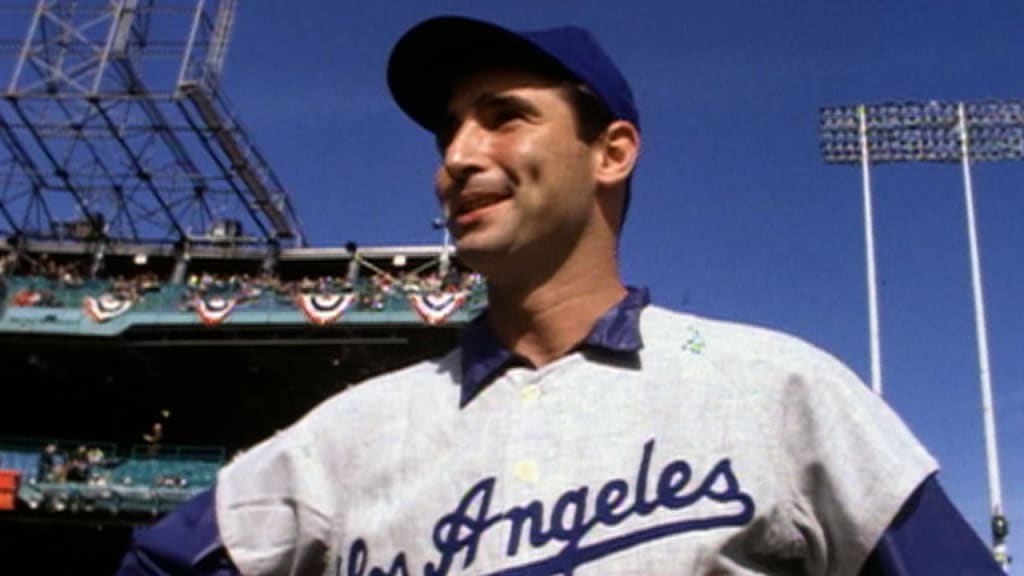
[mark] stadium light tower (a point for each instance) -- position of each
(945, 133)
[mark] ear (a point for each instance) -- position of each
(617, 149)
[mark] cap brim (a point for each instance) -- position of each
(431, 57)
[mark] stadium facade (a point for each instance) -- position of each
(159, 308)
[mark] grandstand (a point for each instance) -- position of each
(94, 478)
(159, 309)
(81, 373)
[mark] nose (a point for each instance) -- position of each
(463, 153)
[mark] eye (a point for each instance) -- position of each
(503, 115)
(444, 134)
(442, 140)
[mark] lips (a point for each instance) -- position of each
(472, 203)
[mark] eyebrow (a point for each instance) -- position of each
(449, 121)
(496, 100)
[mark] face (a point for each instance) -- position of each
(516, 181)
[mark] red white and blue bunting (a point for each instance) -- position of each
(324, 308)
(436, 307)
(213, 309)
(107, 307)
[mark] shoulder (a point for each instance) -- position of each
(741, 349)
(846, 460)
(294, 482)
(429, 381)
(373, 402)
(386, 402)
(798, 393)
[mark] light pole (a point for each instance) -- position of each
(945, 133)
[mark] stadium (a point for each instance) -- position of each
(159, 310)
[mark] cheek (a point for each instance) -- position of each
(521, 159)
(540, 162)
(442, 183)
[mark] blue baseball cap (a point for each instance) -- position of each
(432, 56)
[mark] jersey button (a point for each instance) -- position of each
(529, 393)
(526, 471)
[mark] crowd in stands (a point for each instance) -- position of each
(373, 291)
(408, 282)
(66, 476)
(68, 275)
(84, 464)
(92, 465)
(60, 276)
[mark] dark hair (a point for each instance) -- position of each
(592, 119)
(592, 116)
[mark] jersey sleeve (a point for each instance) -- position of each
(270, 505)
(852, 462)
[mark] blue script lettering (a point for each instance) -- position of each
(572, 517)
(610, 497)
(532, 512)
(460, 530)
(357, 558)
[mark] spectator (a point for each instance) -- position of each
(78, 467)
(153, 438)
(48, 462)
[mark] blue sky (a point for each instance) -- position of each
(735, 215)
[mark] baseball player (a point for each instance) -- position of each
(578, 429)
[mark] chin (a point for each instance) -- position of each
(480, 256)
(472, 255)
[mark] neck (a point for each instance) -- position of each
(544, 322)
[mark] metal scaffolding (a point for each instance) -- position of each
(114, 128)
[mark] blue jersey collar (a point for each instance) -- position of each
(484, 358)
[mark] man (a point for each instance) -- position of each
(577, 429)
(49, 463)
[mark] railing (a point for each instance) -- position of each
(141, 483)
(177, 452)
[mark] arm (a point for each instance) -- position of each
(929, 536)
(185, 542)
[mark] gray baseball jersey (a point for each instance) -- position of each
(725, 449)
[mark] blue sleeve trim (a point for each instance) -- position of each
(186, 541)
(929, 536)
